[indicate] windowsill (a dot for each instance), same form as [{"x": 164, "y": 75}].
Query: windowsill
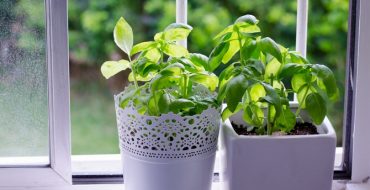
[
  {"x": 111, "y": 163},
  {"x": 337, "y": 185}
]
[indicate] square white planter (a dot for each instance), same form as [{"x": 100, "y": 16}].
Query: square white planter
[{"x": 302, "y": 162}]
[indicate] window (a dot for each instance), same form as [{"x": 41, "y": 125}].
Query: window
[
  {"x": 51, "y": 88},
  {"x": 34, "y": 87}
]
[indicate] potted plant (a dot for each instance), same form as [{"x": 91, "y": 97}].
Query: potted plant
[
  {"x": 169, "y": 119},
  {"x": 268, "y": 142}
]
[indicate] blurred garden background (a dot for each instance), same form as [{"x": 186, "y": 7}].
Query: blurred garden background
[{"x": 91, "y": 23}]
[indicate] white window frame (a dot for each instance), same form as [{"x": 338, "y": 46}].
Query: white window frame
[
  {"x": 361, "y": 133},
  {"x": 58, "y": 172}
]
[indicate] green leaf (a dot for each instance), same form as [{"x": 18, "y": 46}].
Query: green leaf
[
  {"x": 253, "y": 115},
  {"x": 290, "y": 69},
  {"x": 158, "y": 36},
  {"x": 249, "y": 19},
  {"x": 123, "y": 35},
  {"x": 141, "y": 78},
  {"x": 327, "y": 76},
  {"x": 163, "y": 81},
  {"x": 316, "y": 107},
  {"x": 164, "y": 101},
  {"x": 286, "y": 120},
  {"x": 128, "y": 94},
  {"x": 301, "y": 94},
  {"x": 174, "y": 50},
  {"x": 226, "y": 113},
  {"x": 298, "y": 81},
  {"x": 272, "y": 97},
  {"x": 152, "y": 54},
  {"x": 235, "y": 90},
  {"x": 175, "y": 69},
  {"x": 232, "y": 50},
  {"x": 181, "y": 104},
  {"x": 110, "y": 68},
  {"x": 227, "y": 30},
  {"x": 256, "y": 92},
  {"x": 143, "y": 47},
  {"x": 217, "y": 55},
  {"x": 199, "y": 60},
  {"x": 295, "y": 57},
  {"x": 257, "y": 66},
  {"x": 249, "y": 29},
  {"x": 208, "y": 80},
  {"x": 269, "y": 46},
  {"x": 272, "y": 68},
  {"x": 177, "y": 31},
  {"x": 250, "y": 50},
  {"x": 144, "y": 66}
]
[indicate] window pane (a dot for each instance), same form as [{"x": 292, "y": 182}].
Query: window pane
[
  {"x": 23, "y": 82},
  {"x": 93, "y": 118}
]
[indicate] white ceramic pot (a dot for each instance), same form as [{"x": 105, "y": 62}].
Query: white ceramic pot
[
  {"x": 277, "y": 162},
  {"x": 169, "y": 152}
]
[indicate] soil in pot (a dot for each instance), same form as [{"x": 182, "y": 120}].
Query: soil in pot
[{"x": 299, "y": 129}]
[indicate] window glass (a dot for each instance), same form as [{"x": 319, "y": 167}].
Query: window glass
[{"x": 23, "y": 82}]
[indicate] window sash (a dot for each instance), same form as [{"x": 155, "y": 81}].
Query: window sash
[
  {"x": 361, "y": 68},
  {"x": 58, "y": 172}
]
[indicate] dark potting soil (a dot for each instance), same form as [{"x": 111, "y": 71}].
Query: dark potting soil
[{"x": 299, "y": 129}]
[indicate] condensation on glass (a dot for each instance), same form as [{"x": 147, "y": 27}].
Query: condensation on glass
[{"x": 23, "y": 83}]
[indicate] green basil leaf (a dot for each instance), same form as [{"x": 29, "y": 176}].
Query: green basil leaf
[
  {"x": 163, "y": 81},
  {"x": 110, "y": 68},
  {"x": 217, "y": 55},
  {"x": 257, "y": 66},
  {"x": 248, "y": 19},
  {"x": 129, "y": 93},
  {"x": 232, "y": 50},
  {"x": 286, "y": 120},
  {"x": 123, "y": 36},
  {"x": 267, "y": 45},
  {"x": 227, "y": 30},
  {"x": 273, "y": 98},
  {"x": 181, "y": 104},
  {"x": 152, "y": 54},
  {"x": 290, "y": 69},
  {"x": 272, "y": 68},
  {"x": 316, "y": 107},
  {"x": 143, "y": 47},
  {"x": 295, "y": 57},
  {"x": 298, "y": 80},
  {"x": 208, "y": 80},
  {"x": 175, "y": 69},
  {"x": 226, "y": 113},
  {"x": 164, "y": 101},
  {"x": 174, "y": 50},
  {"x": 235, "y": 90},
  {"x": 327, "y": 76},
  {"x": 177, "y": 31},
  {"x": 141, "y": 78},
  {"x": 256, "y": 92},
  {"x": 253, "y": 115},
  {"x": 199, "y": 60},
  {"x": 250, "y": 50},
  {"x": 248, "y": 29}
]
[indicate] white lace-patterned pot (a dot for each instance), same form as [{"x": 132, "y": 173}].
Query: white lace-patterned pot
[
  {"x": 301, "y": 162},
  {"x": 168, "y": 152}
]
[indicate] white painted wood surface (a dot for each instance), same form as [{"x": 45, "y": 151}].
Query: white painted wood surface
[
  {"x": 58, "y": 172},
  {"x": 361, "y": 133}
]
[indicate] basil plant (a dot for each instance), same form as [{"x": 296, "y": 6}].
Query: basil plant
[
  {"x": 166, "y": 77},
  {"x": 255, "y": 83}
]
